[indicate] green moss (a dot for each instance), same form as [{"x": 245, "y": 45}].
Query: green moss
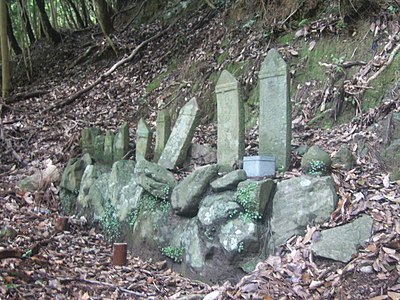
[
  {"x": 155, "y": 83},
  {"x": 110, "y": 223},
  {"x": 174, "y": 253}
]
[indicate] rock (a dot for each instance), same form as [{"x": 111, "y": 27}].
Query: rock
[
  {"x": 71, "y": 178},
  {"x": 40, "y": 180},
  {"x": 187, "y": 195},
  {"x": 344, "y": 157},
  {"x": 341, "y": 243},
  {"x": 298, "y": 202},
  {"x": 91, "y": 173},
  {"x": 122, "y": 187},
  {"x": 99, "y": 148},
  {"x": 367, "y": 269},
  {"x": 155, "y": 179},
  {"x": 229, "y": 181},
  {"x": 7, "y": 233},
  {"x": 194, "y": 250},
  {"x": 237, "y": 236},
  {"x": 218, "y": 208},
  {"x": 163, "y": 131},
  {"x": 254, "y": 196},
  {"x": 98, "y": 196},
  {"x": 203, "y": 154},
  {"x": 143, "y": 140},
  {"x": 390, "y": 156},
  {"x": 316, "y": 162},
  {"x": 301, "y": 150}
]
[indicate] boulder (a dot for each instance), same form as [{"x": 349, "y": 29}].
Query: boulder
[
  {"x": 155, "y": 179},
  {"x": 88, "y": 138},
  {"x": 122, "y": 187},
  {"x": 299, "y": 202},
  {"x": 229, "y": 181},
  {"x": 344, "y": 158},
  {"x": 71, "y": 178},
  {"x": 239, "y": 236},
  {"x": 187, "y": 195},
  {"x": 121, "y": 142},
  {"x": 203, "y": 154},
  {"x": 91, "y": 173},
  {"x": 341, "y": 243},
  {"x": 40, "y": 180},
  {"x": 316, "y": 162},
  {"x": 218, "y": 208},
  {"x": 254, "y": 196}
]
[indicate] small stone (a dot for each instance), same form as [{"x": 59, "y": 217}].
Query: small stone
[{"x": 366, "y": 269}]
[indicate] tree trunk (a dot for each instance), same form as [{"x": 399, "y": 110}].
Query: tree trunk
[
  {"x": 26, "y": 21},
  {"x": 11, "y": 36},
  {"x": 77, "y": 14},
  {"x": 103, "y": 15},
  {"x": 53, "y": 10},
  {"x": 5, "y": 55},
  {"x": 85, "y": 13},
  {"x": 50, "y": 32}
]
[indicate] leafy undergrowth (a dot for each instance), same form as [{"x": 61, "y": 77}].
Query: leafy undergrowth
[{"x": 76, "y": 264}]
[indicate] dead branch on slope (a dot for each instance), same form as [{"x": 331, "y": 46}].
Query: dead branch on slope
[{"x": 119, "y": 63}]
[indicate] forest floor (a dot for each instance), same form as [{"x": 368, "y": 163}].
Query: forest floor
[{"x": 76, "y": 264}]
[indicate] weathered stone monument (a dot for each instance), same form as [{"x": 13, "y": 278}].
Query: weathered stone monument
[
  {"x": 163, "y": 132},
  {"x": 143, "y": 140},
  {"x": 108, "y": 147},
  {"x": 121, "y": 142},
  {"x": 230, "y": 143},
  {"x": 176, "y": 149},
  {"x": 275, "y": 131}
]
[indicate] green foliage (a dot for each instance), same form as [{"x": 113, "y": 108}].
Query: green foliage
[
  {"x": 317, "y": 168},
  {"x": 393, "y": 9},
  {"x": 250, "y": 22},
  {"x": 173, "y": 253},
  {"x": 209, "y": 233},
  {"x": 246, "y": 198},
  {"x": 110, "y": 223},
  {"x": 304, "y": 22}
]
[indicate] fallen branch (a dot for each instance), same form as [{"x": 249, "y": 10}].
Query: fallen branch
[
  {"x": 119, "y": 63},
  {"x": 386, "y": 64},
  {"x": 109, "y": 285},
  {"x": 21, "y": 96}
]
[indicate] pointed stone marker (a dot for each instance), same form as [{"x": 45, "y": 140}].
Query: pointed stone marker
[
  {"x": 230, "y": 145},
  {"x": 176, "y": 149},
  {"x": 275, "y": 131},
  {"x": 143, "y": 140},
  {"x": 163, "y": 131},
  {"x": 121, "y": 142},
  {"x": 108, "y": 148}
]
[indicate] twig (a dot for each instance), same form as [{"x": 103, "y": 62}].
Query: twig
[
  {"x": 62, "y": 280},
  {"x": 119, "y": 63},
  {"x": 134, "y": 17}
]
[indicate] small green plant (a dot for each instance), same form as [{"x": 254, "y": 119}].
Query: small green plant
[
  {"x": 131, "y": 218},
  {"x": 233, "y": 214},
  {"x": 246, "y": 198},
  {"x": 240, "y": 247},
  {"x": 174, "y": 253},
  {"x": 110, "y": 223},
  {"x": 341, "y": 24},
  {"x": 392, "y": 9},
  {"x": 304, "y": 22},
  {"x": 317, "y": 168},
  {"x": 250, "y": 22}
]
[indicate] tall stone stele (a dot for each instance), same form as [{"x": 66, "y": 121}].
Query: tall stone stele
[
  {"x": 275, "y": 133},
  {"x": 163, "y": 131},
  {"x": 121, "y": 142},
  {"x": 143, "y": 140},
  {"x": 230, "y": 144},
  {"x": 176, "y": 149}
]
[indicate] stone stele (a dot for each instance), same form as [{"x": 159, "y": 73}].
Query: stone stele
[
  {"x": 176, "y": 149},
  {"x": 275, "y": 110},
  {"x": 230, "y": 144}
]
